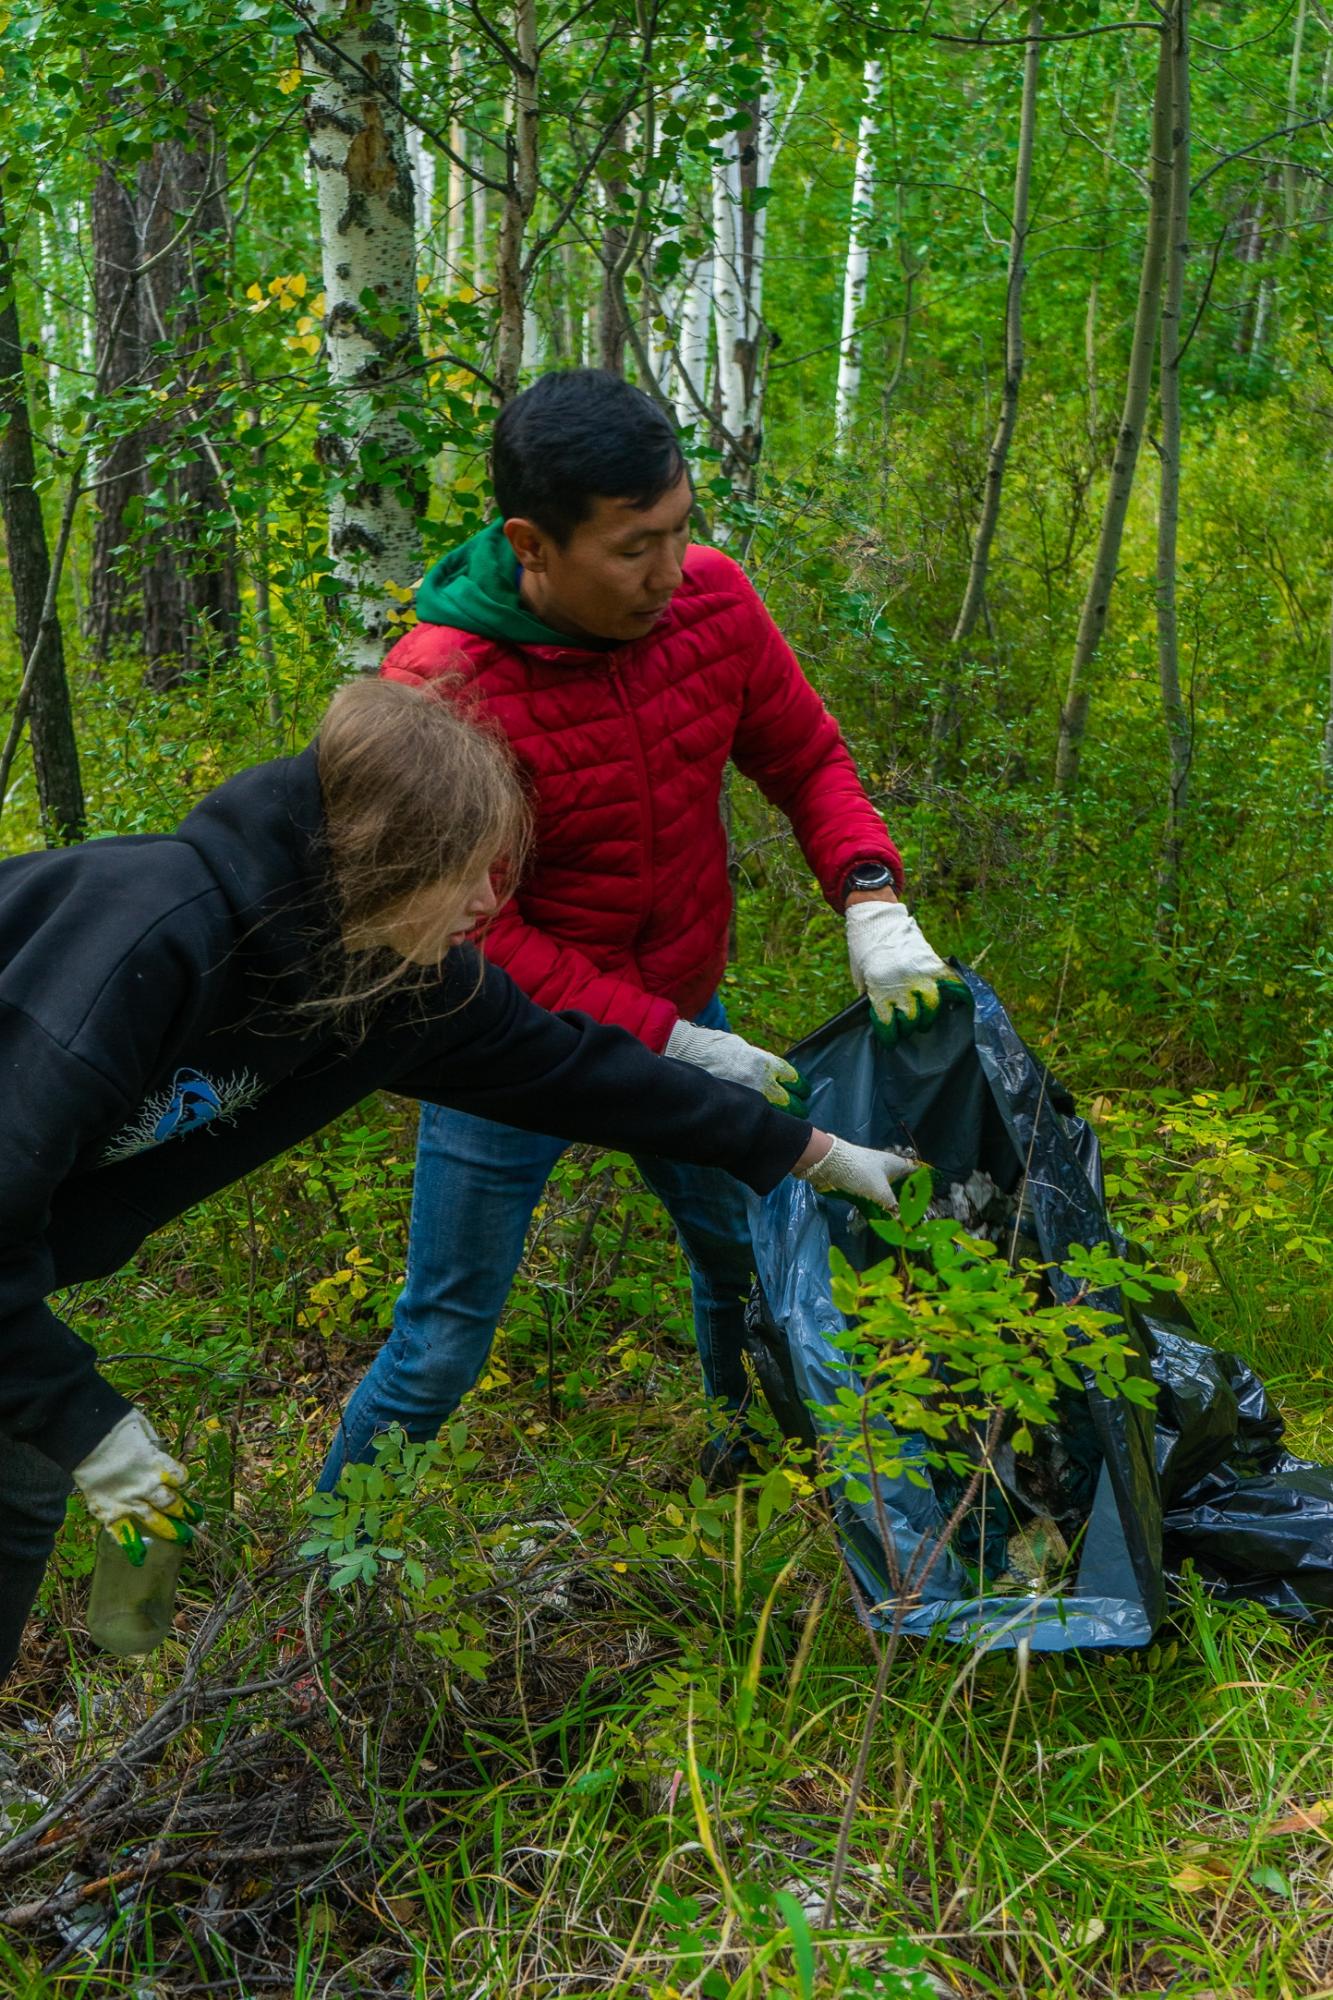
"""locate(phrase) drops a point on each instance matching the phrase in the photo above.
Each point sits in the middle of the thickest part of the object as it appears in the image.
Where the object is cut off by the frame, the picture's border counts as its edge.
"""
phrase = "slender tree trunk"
(1094, 289)
(112, 614)
(945, 722)
(1327, 746)
(364, 184)
(611, 328)
(520, 196)
(480, 210)
(740, 240)
(191, 598)
(54, 749)
(1138, 381)
(1291, 186)
(421, 154)
(858, 255)
(1175, 714)
(455, 223)
(975, 592)
(692, 347)
(729, 300)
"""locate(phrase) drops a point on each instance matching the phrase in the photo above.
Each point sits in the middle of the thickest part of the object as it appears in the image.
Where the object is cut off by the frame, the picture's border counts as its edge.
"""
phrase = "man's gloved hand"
(904, 978)
(131, 1485)
(860, 1173)
(738, 1061)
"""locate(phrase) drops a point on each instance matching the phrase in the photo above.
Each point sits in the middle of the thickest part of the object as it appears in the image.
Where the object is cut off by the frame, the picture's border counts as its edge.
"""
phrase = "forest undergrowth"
(571, 1725)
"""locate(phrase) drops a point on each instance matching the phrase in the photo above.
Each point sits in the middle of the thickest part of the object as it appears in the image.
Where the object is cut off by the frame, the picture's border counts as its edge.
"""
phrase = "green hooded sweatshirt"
(475, 589)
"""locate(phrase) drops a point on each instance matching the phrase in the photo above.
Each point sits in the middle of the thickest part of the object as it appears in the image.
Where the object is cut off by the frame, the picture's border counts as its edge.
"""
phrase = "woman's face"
(422, 927)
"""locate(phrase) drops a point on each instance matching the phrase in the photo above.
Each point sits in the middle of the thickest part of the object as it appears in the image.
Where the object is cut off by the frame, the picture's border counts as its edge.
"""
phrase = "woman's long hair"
(416, 792)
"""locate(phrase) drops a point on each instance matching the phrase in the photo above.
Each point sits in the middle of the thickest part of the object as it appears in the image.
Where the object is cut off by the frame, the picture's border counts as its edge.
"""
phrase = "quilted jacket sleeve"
(792, 748)
(559, 977)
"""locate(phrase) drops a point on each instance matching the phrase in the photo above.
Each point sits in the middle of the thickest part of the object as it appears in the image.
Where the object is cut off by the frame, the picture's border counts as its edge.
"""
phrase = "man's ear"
(527, 541)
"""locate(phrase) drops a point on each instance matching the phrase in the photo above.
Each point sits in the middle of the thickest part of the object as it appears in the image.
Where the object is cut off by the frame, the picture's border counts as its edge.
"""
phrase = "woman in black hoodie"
(177, 1009)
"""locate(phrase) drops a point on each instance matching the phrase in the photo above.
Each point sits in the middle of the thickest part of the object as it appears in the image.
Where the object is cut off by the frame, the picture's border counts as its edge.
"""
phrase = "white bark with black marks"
(363, 179)
(857, 269)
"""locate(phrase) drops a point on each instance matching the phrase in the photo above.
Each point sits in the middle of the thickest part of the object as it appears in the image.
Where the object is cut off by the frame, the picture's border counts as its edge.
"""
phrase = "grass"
(642, 1793)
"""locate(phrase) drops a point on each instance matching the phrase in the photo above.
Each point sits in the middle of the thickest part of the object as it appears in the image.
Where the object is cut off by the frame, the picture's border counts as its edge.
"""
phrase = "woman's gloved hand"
(737, 1061)
(131, 1486)
(859, 1173)
(903, 977)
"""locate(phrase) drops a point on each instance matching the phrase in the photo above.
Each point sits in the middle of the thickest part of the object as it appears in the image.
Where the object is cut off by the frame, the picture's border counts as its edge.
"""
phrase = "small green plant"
(953, 1345)
(391, 1522)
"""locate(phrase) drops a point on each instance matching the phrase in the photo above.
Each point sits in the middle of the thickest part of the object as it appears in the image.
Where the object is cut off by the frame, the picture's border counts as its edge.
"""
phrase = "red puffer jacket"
(624, 909)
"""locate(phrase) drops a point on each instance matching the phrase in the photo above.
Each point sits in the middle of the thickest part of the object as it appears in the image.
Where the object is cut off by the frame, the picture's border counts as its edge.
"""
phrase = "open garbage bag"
(1132, 1491)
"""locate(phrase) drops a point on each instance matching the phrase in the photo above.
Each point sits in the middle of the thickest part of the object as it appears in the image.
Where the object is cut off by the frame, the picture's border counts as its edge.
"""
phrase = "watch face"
(874, 875)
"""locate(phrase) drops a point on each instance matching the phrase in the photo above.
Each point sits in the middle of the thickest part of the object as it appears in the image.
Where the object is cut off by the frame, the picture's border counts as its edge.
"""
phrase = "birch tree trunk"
(421, 154)
(858, 256)
(740, 241)
(1138, 380)
(364, 183)
(480, 262)
(41, 646)
(1291, 187)
(693, 342)
(520, 195)
(1175, 714)
(975, 592)
(455, 224)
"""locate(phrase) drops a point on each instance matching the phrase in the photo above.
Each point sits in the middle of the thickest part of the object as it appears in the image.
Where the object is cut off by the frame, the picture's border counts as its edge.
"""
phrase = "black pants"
(33, 1492)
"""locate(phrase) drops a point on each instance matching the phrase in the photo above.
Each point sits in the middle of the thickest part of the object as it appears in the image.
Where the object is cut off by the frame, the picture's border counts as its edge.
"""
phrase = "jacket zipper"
(645, 801)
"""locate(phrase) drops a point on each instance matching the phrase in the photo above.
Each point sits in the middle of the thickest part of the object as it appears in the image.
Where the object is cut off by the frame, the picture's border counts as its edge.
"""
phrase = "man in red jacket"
(625, 667)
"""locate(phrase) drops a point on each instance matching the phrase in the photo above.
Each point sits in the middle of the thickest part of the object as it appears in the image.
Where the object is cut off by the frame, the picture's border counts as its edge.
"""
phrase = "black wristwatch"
(869, 875)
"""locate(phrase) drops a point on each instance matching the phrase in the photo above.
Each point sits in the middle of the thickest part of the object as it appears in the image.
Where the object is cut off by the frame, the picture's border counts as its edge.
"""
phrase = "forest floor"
(591, 1733)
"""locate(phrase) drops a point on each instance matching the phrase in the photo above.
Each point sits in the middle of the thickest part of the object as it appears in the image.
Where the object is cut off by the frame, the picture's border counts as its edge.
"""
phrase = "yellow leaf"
(289, 81)
(253, 292)
(1305, 1819)
(1193, 1876)
(465, 294)
(422, 282)
(317, 304)
(297, 285)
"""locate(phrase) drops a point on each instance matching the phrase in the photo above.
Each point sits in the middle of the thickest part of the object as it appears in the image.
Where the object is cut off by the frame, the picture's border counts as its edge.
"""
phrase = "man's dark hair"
(574, 438)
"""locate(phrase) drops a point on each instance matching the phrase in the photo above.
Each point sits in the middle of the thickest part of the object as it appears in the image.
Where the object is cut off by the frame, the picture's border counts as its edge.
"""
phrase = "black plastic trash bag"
(1133, 1491)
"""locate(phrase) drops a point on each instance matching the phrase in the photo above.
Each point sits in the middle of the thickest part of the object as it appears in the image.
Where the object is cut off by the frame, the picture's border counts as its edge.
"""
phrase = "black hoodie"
(154, 1048)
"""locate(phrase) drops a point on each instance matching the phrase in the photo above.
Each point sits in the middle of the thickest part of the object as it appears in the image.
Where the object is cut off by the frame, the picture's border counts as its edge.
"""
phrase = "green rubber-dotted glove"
(132, 1486)
(904, 978)
(860, 1174)
(738, 1061)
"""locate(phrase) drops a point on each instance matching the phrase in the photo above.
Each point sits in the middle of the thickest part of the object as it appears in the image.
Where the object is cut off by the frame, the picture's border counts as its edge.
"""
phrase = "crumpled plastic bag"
(1134, 1492)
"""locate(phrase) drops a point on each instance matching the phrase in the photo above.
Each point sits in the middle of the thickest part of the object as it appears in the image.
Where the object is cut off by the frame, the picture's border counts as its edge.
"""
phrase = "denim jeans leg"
(476, 1186)
(33, 1492)
(708, 1209)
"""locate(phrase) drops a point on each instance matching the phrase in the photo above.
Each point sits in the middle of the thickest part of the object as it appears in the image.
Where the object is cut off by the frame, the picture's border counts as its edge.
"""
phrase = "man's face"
(617, 573)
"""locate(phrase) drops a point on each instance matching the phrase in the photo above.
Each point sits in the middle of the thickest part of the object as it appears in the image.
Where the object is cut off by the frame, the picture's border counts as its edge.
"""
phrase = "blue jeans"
(476, 1186)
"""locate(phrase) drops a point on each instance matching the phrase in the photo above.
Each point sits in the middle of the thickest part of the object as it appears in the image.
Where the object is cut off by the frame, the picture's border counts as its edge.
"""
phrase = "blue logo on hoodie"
(190, 1101)
(193, 1102)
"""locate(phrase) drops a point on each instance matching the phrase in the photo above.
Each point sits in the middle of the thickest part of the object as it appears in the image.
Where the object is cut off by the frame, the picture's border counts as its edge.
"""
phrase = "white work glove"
(861, 1173)
(904, 978)
(130, 1484)
(737, 1061)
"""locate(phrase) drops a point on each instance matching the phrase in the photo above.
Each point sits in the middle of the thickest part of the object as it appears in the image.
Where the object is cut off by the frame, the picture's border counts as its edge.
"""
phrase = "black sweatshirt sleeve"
(508, 1059)
(51, 1395)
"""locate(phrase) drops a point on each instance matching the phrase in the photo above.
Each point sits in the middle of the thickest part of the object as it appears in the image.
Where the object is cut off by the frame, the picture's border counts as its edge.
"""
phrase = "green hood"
(475, 589)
